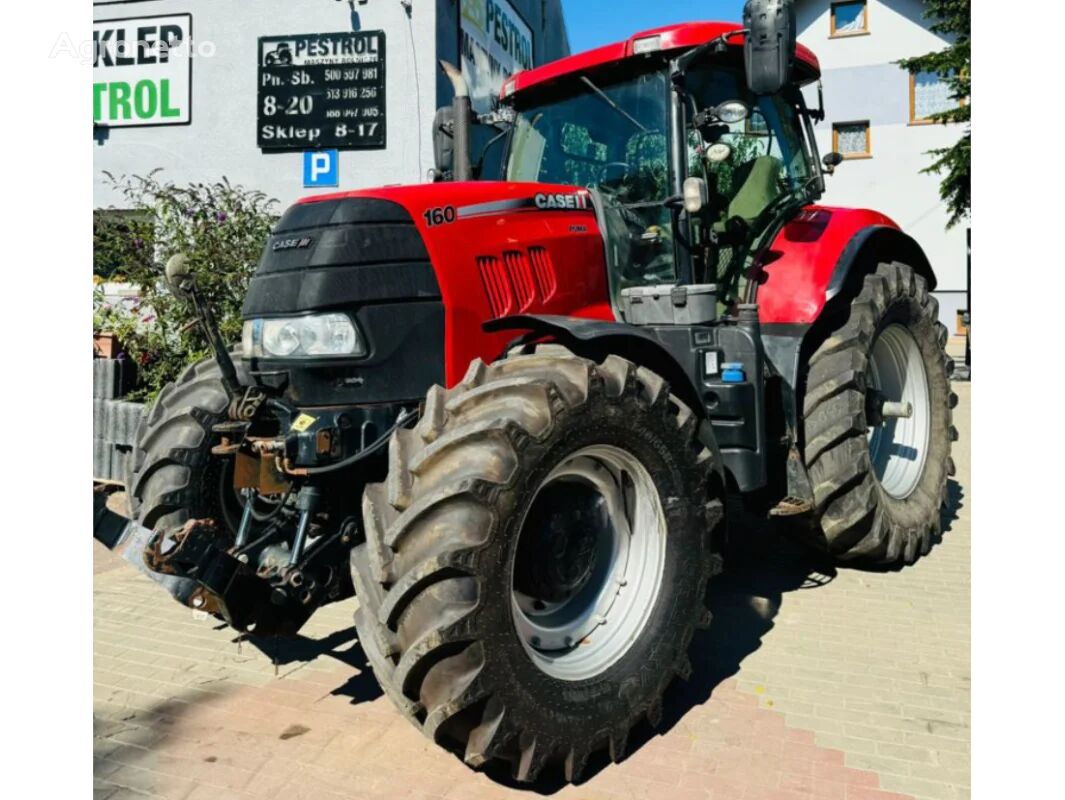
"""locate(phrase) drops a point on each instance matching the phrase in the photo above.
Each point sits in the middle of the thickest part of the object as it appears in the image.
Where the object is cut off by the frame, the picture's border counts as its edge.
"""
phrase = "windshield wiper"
(612, 104)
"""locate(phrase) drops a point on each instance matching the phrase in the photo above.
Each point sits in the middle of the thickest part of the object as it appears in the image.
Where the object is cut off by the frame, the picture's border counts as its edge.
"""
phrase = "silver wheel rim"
(898, 447)
(582, 636)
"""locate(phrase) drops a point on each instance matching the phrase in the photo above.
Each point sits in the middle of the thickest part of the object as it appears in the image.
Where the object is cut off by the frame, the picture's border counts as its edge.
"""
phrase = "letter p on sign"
(321, 168)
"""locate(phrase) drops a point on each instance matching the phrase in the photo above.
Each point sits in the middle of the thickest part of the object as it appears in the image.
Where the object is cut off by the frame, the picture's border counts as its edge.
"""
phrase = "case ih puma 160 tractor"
(504, 411)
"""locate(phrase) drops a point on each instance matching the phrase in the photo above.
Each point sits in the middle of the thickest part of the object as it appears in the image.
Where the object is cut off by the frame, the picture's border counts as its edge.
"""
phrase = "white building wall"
(862, 82)
(221, 140)
(222, 137)
(897, 29)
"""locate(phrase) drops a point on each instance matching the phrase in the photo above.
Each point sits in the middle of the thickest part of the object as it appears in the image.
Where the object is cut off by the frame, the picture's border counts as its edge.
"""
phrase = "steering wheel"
(612, 180)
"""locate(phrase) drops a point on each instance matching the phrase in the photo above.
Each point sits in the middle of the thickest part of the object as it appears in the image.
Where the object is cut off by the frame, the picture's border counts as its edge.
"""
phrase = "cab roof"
(670, 37)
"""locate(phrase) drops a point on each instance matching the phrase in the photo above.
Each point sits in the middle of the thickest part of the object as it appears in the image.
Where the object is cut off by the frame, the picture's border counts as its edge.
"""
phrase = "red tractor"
(505, 413)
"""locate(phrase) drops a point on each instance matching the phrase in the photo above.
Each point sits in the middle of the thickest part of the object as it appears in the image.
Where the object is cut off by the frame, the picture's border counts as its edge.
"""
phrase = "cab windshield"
(609, 133)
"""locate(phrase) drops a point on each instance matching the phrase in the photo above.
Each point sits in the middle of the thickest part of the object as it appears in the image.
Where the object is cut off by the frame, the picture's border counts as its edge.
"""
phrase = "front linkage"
(288, 553)
(202, 569)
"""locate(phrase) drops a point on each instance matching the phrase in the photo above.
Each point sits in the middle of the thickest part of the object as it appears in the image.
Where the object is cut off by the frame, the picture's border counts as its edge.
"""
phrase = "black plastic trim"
(872, 245)
(322, 289)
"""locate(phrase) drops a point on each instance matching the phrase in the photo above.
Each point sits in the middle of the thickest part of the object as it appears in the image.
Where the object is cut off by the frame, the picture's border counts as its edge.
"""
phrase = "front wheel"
(878, 429)
(536, 563)
(175, 477)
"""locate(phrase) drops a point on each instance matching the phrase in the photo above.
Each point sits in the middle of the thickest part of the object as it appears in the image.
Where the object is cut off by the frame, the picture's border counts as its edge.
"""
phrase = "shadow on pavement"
(360, 687)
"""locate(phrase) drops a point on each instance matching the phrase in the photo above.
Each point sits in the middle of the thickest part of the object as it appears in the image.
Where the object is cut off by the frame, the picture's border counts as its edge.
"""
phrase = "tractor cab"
(689, 168)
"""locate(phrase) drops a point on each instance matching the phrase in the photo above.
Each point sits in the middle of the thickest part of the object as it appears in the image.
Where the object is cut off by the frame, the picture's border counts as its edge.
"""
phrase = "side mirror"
(179, 275)
(769, 46)
(696, 195)
(444, 141)
(832, 160)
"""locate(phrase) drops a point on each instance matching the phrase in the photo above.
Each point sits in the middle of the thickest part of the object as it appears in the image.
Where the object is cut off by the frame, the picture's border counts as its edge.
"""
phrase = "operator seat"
(759, 182)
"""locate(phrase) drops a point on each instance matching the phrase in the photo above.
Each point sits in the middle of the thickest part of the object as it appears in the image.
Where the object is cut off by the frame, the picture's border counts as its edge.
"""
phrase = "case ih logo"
(292, 244)
(578, 202)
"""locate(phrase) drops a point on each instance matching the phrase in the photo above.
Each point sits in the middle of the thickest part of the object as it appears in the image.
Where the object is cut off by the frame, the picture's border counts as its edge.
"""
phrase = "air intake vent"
(544, 272)
(496, 285)
(521, 278)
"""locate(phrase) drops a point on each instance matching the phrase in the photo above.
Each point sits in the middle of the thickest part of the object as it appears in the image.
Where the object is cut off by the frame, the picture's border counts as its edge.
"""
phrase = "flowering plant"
(219, 226)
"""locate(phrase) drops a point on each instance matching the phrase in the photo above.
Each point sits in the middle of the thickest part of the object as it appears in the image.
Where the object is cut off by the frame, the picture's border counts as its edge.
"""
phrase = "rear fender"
(810, 273)
(814, 268)
(821, 253)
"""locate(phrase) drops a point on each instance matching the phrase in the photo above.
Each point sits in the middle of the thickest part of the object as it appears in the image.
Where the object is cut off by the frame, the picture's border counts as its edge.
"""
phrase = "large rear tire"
(879, 480)
(465, 571)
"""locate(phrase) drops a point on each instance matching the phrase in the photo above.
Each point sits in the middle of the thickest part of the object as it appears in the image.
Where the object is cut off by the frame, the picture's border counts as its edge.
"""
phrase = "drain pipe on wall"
(408, 9)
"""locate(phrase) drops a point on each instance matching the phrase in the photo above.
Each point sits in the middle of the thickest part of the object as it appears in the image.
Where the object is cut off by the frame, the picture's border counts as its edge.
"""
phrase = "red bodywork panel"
(671, 37)
(501, 254)
(798, 266)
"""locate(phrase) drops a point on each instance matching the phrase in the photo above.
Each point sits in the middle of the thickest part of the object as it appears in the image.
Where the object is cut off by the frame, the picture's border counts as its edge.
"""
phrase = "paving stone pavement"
(810, 684)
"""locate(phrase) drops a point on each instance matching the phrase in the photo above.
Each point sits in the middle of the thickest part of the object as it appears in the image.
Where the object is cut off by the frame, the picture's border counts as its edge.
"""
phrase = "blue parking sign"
(321, 168)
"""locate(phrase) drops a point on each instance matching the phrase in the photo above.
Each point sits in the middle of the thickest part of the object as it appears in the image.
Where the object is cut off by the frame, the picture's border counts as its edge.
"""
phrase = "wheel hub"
(898, 411)
(589, 563)
(558, 551)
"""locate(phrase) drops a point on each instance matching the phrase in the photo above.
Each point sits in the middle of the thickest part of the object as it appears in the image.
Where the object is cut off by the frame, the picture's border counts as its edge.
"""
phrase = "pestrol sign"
(496, 43)
(142, 71)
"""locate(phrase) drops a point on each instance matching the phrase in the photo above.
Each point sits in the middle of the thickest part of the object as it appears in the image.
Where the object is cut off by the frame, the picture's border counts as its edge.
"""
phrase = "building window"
(850, 18)
(929, 94)
(851, 139)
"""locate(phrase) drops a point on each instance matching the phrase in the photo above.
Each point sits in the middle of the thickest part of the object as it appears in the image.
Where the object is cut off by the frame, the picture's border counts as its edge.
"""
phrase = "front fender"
(597, 339)
(820, 252)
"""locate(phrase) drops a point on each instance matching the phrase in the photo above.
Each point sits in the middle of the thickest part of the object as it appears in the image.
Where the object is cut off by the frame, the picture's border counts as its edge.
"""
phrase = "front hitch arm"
(197, 569)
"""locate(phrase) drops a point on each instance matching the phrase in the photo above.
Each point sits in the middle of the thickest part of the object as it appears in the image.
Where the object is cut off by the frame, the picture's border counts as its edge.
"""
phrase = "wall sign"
(496, 43)
(142, 71)
(322, 90)
(321, 168)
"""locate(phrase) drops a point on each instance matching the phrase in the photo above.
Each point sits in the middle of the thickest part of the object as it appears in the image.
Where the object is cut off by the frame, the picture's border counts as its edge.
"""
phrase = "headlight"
(302, 337)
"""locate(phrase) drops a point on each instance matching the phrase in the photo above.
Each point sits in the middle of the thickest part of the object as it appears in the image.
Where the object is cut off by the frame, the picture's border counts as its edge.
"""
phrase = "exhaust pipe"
(463, 168)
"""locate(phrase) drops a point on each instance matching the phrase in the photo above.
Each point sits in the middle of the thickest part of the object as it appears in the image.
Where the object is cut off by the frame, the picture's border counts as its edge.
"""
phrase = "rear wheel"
(536, 563)
(878, 423)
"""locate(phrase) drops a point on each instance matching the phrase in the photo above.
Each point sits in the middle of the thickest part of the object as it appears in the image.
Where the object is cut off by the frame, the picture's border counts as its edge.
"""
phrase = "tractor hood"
(480, 250)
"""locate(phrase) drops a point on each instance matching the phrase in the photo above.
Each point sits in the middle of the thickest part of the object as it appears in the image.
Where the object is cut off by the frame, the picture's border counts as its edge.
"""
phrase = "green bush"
(219, 226)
